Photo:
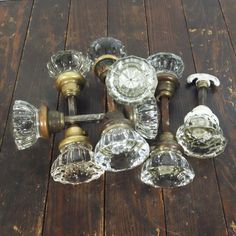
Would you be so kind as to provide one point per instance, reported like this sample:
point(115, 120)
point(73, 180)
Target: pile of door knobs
point(138, 93)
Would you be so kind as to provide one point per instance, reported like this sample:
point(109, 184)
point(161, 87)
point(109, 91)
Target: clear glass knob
point(106, 45)
point(75, 166)
point(120, 149)
point(67, 61)
point(131, 80)
point(200, 135)
point(166, 168)
point(146, 118)
point(25, 124)
point(165, 62)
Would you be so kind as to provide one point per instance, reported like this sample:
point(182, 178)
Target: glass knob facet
point(25, 124)
point(68, 61)
point(146, 118)
point(74, 165)
point(120, 149)
point(201, 136)
point(165, 62)
point(166, 169)
point(106, 45)
point(131, 80)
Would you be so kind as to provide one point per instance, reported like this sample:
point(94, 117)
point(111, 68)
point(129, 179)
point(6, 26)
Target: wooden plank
point(14, 18)
point(132, 208)
point(213, 53)
point(79, 210)
point(24, 174)
point(195, 209)
point(229, 8)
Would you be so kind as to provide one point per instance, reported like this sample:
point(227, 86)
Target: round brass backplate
point(43, 121)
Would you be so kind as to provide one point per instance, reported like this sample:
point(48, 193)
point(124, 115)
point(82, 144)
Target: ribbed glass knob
point(106, 45)
point(25, 124)
point(67, 61)
point(165, 62)
point(166, 169)
point(75, 166)
point(120, 149)
point(201, 136)
point(146, 118)
point(131, 80)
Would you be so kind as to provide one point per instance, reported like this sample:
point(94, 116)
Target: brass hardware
point(102, 65)
point(167, 141)
point(167, 84)
point(202, 84)
point(74, 134)
point(43, 122)
point(70, 83)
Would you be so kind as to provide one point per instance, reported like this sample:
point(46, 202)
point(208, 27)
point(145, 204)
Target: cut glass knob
point(201, 136)
point(209, 79)
point(146, 118)
point(166, 169)
point(106, 45)
point(120, 149)
point(25, 124)
point(165, 62)
point(74, 165)
point(68, 61)
point(131, 80)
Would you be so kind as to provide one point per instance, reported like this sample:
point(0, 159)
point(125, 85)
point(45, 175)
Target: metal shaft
point(72, 106)
point(84, 118)
point(165, 120)
point(202, 95)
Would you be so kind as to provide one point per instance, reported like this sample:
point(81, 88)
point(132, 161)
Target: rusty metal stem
point(165, 120)
point(72, 106)
point(202, 96)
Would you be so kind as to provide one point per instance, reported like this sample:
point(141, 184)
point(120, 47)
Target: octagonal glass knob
point(165, 62)
point(68, 61)
point(131, 80)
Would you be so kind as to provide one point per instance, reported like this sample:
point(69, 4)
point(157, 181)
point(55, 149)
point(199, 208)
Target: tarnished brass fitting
point(70, 83)
point(102, 65)
point(167, 85)
point(167, 141)
point(50, 121)
point(74, 134)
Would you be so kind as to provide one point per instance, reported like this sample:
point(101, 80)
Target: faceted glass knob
point(75, 166)
point(146, 118)
point(166, 168)
point(200, 135)
point(165, 62)
point(131, 80)
point(106, 45)
point(120, 149)
point(25, 124)
point(67, 61)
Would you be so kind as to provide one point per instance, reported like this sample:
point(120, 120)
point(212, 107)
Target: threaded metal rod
point(84, 118)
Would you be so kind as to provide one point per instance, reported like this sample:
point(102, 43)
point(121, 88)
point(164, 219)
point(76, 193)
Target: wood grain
point(24, 174)
point(79, 210)
point(213, 53)
point(194, 209)
point(132, 208)
point(14, 19)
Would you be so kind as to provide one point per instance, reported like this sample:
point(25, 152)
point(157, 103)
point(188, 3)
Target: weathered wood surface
point(202, 32)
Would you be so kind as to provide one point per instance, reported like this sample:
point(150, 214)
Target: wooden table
point(202, 32)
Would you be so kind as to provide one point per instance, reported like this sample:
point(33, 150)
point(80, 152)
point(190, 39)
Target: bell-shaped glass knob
point(131, 80)
point(25, 122)
point(201, 136)
point(104, 46)
point(120, 149)
point(166, 168)
point(74, 165)
point(165, 62)
point(68, 61)
point(145, 118)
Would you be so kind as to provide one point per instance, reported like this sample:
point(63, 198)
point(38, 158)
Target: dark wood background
point(203, 32)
